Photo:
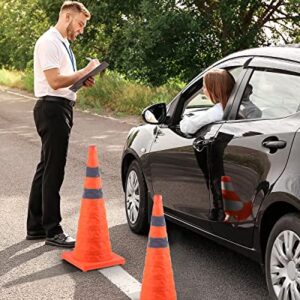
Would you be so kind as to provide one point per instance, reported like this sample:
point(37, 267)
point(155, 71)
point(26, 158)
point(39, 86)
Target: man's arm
point(58, 81)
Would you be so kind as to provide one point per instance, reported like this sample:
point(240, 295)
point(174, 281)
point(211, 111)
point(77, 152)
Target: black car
point(249, 163)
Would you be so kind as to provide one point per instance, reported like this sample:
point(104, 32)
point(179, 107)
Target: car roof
point(288, 52)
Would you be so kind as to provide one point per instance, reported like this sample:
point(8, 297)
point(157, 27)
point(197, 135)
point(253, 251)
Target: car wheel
point(283, 258)
point(136, 199)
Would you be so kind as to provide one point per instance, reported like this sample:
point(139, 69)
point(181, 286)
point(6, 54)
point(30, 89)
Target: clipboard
point(79, 83)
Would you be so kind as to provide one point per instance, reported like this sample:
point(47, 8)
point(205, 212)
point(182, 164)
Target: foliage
point(23, 22)
point(112, 92)
point(152, 41)
point(28, 79)
point(11, 79)
point(169, 38)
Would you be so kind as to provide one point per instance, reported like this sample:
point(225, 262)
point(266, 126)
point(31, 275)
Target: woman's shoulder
point(216, 108)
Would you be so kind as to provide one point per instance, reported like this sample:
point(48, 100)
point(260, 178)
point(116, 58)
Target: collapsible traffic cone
point(233, 205)
point(158, 282)
point(92, 248)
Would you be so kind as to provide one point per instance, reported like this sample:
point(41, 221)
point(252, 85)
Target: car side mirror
point(155, 114)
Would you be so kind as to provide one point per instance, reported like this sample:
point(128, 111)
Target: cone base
point(87, 266)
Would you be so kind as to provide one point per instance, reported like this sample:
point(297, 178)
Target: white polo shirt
point(52, 51)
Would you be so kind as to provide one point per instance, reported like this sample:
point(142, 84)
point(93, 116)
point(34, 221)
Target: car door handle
point(274, 145)
point(199, 145)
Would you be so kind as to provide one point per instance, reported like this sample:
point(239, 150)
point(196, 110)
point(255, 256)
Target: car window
point(199, 101)
point(270, 95)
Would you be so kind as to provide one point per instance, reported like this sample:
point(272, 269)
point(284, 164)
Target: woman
point(217, 86)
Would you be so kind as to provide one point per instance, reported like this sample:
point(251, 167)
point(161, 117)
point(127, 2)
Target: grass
point(11, 79)
point(111, 93)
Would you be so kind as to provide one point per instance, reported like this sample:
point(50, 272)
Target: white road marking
point(18, 94)
point(86, 111)
point(124, 281)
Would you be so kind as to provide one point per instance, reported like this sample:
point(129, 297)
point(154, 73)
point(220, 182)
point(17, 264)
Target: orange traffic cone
point(233, 205)
point(92, 248)
point(158, 282)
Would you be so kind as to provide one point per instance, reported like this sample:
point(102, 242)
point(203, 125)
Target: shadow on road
point(9, 259)
point(200, 266)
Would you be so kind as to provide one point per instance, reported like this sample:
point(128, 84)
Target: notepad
point(79, 83)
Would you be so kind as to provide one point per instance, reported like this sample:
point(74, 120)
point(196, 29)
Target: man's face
point(76, 25)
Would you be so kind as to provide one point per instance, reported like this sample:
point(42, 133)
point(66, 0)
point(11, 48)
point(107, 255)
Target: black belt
point(58, 100)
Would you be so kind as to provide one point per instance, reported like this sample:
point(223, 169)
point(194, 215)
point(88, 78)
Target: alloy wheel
point(285, 266)
point(132, 197)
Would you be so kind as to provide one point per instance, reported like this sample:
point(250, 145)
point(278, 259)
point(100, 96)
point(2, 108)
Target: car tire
point(282, 264)
point(136, 199)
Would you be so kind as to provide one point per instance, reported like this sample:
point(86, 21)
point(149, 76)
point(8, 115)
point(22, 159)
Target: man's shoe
point(36, 235)
point(61, 240)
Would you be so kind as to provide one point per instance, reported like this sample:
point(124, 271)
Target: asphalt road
point(31, 270)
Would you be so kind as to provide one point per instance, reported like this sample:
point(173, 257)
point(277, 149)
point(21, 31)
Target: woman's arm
point(189, 125)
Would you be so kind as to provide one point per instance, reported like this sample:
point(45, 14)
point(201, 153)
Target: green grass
point(111, 93)
point(11, 79)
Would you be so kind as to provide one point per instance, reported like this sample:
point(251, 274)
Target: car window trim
point(275, 64)
point(236, 95)
point(239, 61)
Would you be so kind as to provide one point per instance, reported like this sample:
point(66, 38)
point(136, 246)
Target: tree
point(155, 40)
point(23, 22)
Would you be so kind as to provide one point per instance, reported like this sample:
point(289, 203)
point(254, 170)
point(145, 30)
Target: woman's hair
point(219, 84)
point(76, 7)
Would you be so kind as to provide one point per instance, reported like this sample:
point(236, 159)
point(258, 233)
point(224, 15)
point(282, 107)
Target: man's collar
point(64, 40)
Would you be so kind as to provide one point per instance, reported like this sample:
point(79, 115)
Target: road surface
point(31, 270)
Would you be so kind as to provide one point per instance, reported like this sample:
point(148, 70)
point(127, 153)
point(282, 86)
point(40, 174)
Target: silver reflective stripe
point(92, 172)
point(92, 194)
point(158, 243)
point(158, 221)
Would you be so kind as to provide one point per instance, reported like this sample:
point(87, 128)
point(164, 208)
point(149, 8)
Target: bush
point(111, 93)
point(115, 93)
point(12, 78)
point(28, 80)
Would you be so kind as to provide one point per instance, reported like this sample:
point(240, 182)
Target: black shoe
point(36, 235)
point(61, 240)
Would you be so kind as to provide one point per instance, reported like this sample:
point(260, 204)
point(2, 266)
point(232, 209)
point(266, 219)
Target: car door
point(178, 172)
point(257, 147)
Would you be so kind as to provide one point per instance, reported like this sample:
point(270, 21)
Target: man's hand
point(91, 65)
point(89, 82)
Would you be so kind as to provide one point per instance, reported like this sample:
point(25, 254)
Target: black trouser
point(53, 122)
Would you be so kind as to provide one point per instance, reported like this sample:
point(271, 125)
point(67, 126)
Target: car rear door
point(256, 149)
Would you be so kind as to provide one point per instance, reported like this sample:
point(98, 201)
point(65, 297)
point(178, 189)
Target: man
point(54, 71)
